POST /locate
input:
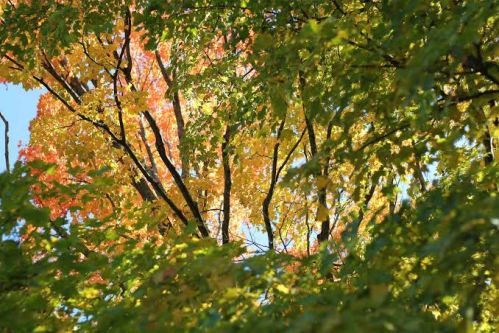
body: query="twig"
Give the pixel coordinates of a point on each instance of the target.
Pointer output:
(6, 123)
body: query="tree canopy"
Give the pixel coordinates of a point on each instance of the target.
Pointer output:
(263, 165)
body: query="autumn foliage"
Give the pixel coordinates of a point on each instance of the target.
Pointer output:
(301, 166)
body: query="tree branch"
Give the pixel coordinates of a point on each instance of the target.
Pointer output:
(227, 185)
(177, 110)
(160, 147)
(270, 192)
(6, 135)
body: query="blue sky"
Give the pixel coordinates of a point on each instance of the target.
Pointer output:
(19, 107)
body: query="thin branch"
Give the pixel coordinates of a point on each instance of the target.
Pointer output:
(290, 153)
(227, 184)
(160, 147)
(6, 123)
(152, 160)
(309, 229)
(177, 110)
(270, 192)
(367, 199)
(382, 137)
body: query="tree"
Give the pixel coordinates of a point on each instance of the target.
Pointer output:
(357, 137)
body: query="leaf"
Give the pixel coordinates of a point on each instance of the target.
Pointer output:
(321, 182)
(322, 213)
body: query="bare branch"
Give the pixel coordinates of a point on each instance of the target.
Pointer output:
(6, 123)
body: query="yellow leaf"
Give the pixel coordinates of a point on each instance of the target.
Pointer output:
(463, 106)
(232, 293)
(282, 288)
(321, 182)
(342, 34)
(322, 213)
(207, 108)
(90, 292)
